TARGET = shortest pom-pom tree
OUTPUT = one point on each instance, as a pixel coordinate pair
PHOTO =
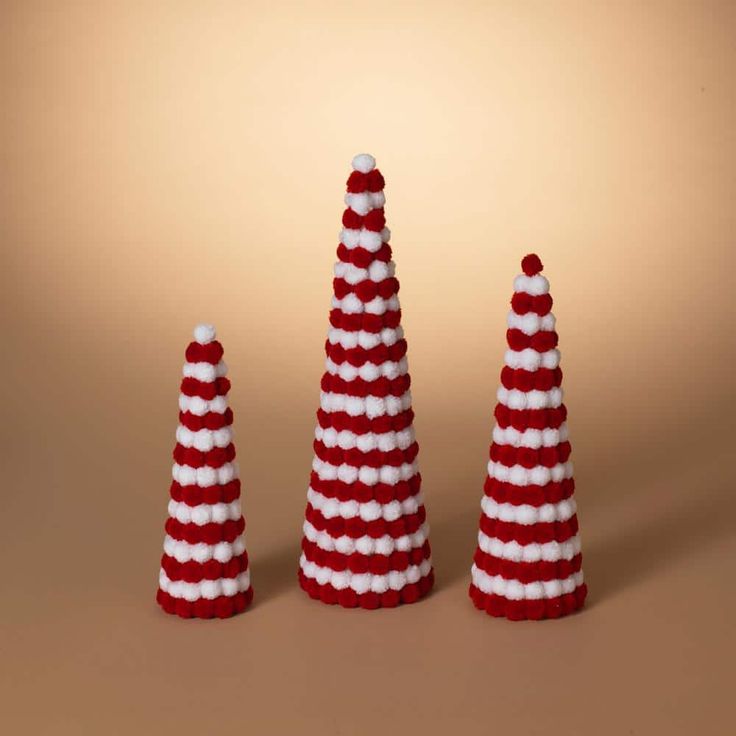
(204, 569)
(528, 563)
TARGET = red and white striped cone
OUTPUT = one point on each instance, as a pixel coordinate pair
(365, 535)
(204, 569)
(528, 562)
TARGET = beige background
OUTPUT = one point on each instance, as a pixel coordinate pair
(167, 163)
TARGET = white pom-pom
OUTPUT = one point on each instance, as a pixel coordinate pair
(204, 334)
(364, 163)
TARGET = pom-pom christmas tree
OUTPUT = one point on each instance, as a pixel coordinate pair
(204, 568)
(528, 562)
(365, 535)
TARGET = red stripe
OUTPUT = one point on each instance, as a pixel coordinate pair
(526, 609)
(508, 531)
(194, 458)
(205, 390)
(367, 322)
(553, 492)
(366, 290)
(543, 379)
(361, 257)
(522, 419)
(541, 341)
(522, 303)
(209, 353)
(222, 607)
(212, 533)
(195, 495)
(527, 572)
(348, 598)
(372, 459)
(362, 493)
(358, 182)
(210, 420)
(374, 220)
(195, 572)
(360, 356)
(356, 563)
(356, 527)
(528, 457)
(381, 387)
(362, 424)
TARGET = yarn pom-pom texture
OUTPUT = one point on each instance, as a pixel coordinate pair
(365, 538)
(528, 562)
(204, 568)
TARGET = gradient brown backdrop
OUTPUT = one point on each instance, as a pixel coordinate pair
(167, 163)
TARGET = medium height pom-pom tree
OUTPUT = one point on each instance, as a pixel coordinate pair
(528, 562)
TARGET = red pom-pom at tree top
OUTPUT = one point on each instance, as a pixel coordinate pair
(365, 534)
(204, 568)
(528, 562)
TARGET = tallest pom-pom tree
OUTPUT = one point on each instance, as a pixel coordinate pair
(365, 535)
(528, 563)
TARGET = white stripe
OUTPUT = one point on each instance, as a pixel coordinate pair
(208, 589)
(222, 551)
(368, 239)
(367, 340)
(378, 271)
(352, 304)
(204, 440)
(331, 508)
(199, 407)
(365, 582)
(205, 513)
(532, 360)
(533, 438)
(368, 371)
(362, 203)
(539, 475)
(204, 477)
(515, 590)
(533, 285)
(549, 551)
(390, 475)
(527, 514)
(204, 372)
(531, 323)
(347, 440)
(367, 545)
(515, 399)
(370, 406)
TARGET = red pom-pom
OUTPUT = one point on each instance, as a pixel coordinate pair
(375, 181)
(223, 607)
(357, 182)
(351, 219)
(531, 264)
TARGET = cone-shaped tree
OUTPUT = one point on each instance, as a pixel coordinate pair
(204, 569)
(528, 563)
(365, 535)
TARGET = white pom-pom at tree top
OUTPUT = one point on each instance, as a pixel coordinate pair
(528, 563)
(204, 569)
(365, 538)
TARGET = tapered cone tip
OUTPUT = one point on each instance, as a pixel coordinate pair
(204, 333)
(364, 163)
(531, 265)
